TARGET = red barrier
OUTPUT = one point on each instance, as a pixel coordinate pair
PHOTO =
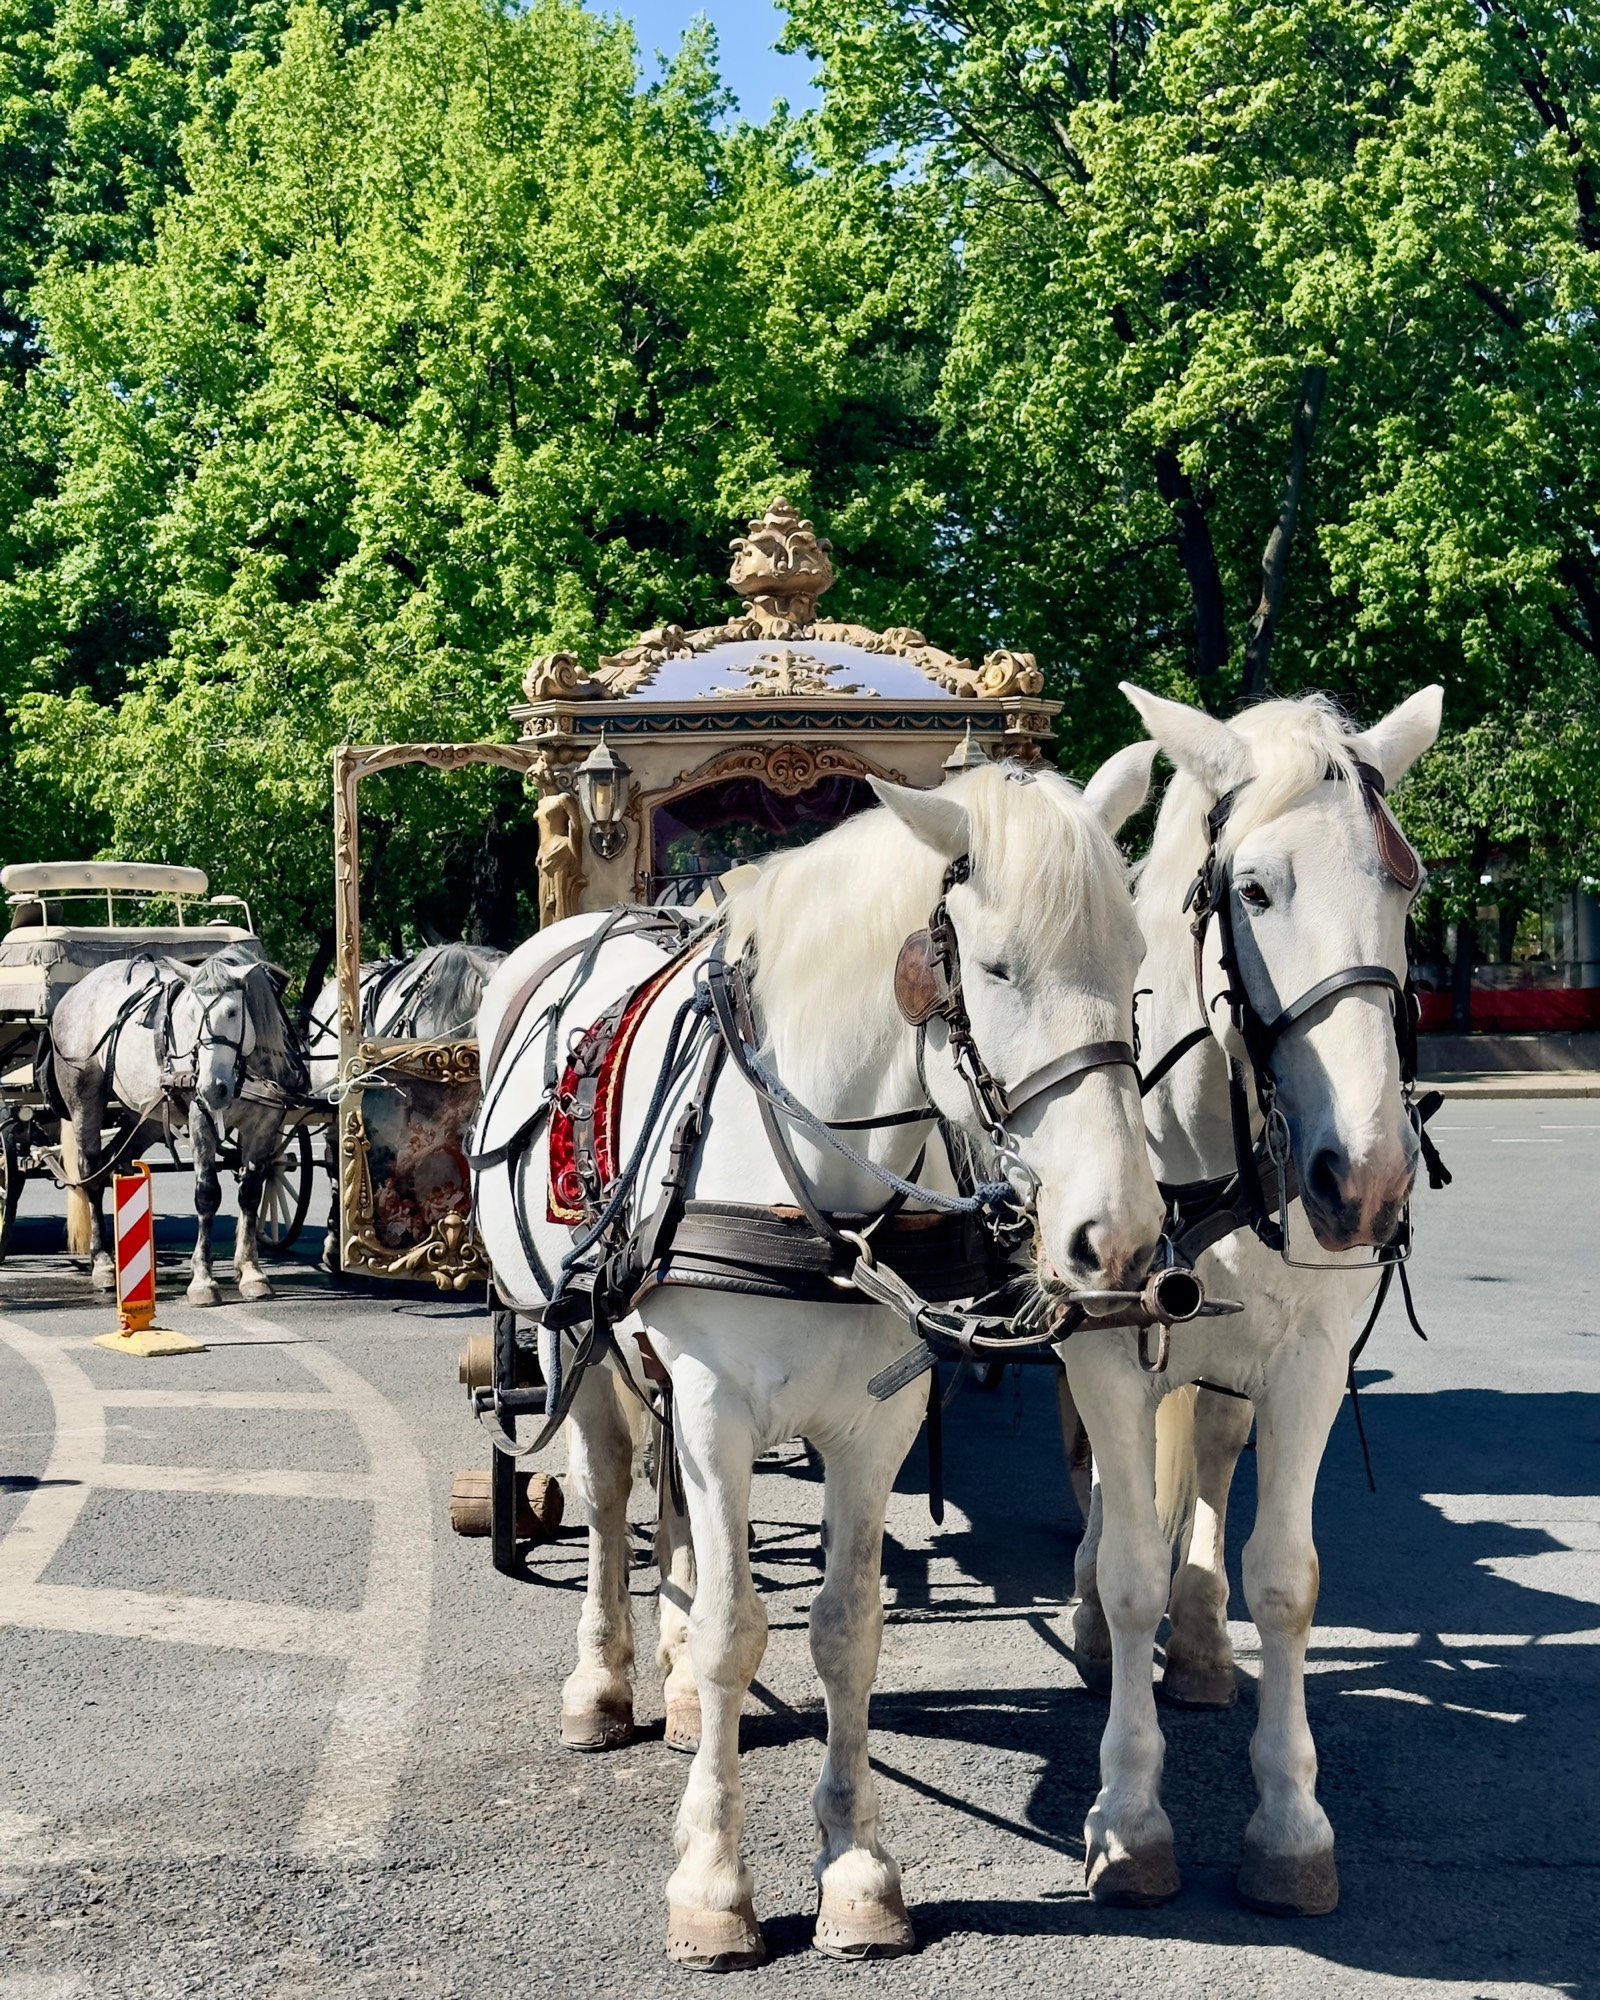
(1519, 1010)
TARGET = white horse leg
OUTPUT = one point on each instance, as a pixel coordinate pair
(597, 1700)
(711, 1919)
(1199, 1669)
(862, 1913)
(203, 1289)
(1128, 1834)
(1288, 1865)
(675, 1562)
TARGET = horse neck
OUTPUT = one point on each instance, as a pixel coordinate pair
(1187, 1114)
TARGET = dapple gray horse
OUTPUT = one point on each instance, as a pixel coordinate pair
(145, 1033)
(425, 998)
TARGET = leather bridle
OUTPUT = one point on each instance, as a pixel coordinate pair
(1210, 897)
(928, 986)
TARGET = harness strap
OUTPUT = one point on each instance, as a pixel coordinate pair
(1076, 1062)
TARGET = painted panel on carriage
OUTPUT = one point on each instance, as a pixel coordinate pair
(416, 1156)
(742, 669)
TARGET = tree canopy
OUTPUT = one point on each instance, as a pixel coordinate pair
(353, 353)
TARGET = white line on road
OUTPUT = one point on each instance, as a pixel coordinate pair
(383, 1644)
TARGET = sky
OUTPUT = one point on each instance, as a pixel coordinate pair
(746, 29)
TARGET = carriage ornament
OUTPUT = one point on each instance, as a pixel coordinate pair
(688, 753)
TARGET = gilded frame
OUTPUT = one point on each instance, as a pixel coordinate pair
(451, 1255)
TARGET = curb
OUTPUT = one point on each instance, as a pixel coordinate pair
(1515, 1083)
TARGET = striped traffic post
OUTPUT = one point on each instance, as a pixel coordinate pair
(133, 1226)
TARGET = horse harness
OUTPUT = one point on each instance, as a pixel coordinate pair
(918, 1262)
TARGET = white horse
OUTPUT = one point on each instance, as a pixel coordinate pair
(1049, 952)
(1311, 899)
(138, 1033)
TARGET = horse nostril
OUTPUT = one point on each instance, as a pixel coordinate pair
(1323, 1178)
(1081, 1250)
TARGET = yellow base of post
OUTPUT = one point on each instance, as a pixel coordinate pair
(150, 1341)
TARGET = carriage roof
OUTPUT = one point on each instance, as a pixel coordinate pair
(121, 878)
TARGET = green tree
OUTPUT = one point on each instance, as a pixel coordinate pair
(1277, 355)
(456, 346)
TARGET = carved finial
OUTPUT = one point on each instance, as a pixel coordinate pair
(780, 568)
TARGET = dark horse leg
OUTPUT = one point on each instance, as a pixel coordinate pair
(85, 1092)
(256, 1130)
(204, 1145)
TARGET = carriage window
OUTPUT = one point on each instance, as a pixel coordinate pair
(706, 832)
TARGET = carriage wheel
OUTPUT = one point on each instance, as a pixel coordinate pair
(286, 1192)
(11, 1178)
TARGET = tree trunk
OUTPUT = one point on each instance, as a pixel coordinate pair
(1467, 945)
(316, 977)
(1263, 627)
(1199, 559)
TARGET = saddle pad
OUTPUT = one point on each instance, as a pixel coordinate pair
(567, 1194)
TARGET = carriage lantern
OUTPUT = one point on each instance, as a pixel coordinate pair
(602, 778)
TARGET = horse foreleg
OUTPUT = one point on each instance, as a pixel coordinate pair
(1091, 1635)
(711, 1919)
(675, 1561)
(862, 1913)
(207, 1200)
(1288, 1865)
(1199, 1669)
(597, 1700)
(330, 1161)
(253, 1280)
(1128, 1834)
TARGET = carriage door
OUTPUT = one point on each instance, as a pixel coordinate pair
(403, 1105)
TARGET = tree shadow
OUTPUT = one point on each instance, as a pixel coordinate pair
(1452, 1693)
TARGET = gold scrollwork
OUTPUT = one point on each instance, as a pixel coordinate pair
(450, 1254)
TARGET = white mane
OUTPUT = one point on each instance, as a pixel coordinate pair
(827, 920)
(1292, 745)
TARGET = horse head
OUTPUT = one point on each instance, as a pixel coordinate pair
(1304, 888)
(1036, 927)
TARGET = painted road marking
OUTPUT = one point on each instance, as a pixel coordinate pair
(383, 1644)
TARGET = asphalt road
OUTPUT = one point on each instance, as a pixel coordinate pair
(267, 1728)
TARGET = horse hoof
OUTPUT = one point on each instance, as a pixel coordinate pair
(606, 1726)
(202, 1292)
(252, 1289)
(1187, 1684)
(683, 1726)
(1134, 1881)
(864, 1926)
(1289, 1885)
(1094, 1673)
(715, 1940)
(103, 1276)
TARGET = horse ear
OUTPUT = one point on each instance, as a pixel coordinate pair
(1396, 743)
(1196, 742)
(1121, 785)
(934, 817)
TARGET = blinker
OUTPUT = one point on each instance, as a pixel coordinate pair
(921, 981)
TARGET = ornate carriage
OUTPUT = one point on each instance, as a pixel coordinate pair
(686, 754)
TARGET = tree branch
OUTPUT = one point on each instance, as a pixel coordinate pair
(1579, 577)
(1506, 314)
(1199, 559)
(1263, 627)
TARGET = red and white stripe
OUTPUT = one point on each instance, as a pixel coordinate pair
(136, 1249)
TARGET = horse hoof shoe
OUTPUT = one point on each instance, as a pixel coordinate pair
(603, 1727)
(1095, 1674)
(1289, 1885)
(864, 1926)
(1188, 1686)
(683, 1727)
(1134, 1881)
(715, 1940)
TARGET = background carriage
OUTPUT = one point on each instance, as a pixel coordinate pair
(57, 936)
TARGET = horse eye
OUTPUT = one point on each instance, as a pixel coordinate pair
(1001, 972)
(1254, 896)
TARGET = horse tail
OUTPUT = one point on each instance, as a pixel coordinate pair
(1177, 1468)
